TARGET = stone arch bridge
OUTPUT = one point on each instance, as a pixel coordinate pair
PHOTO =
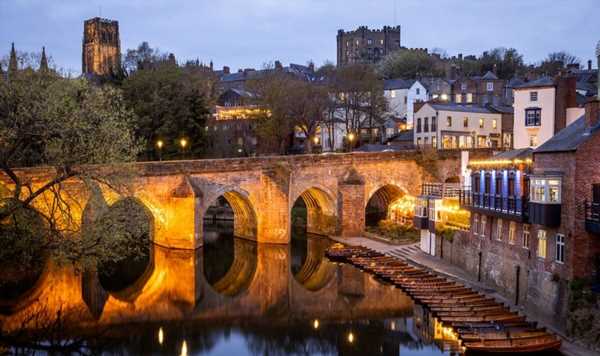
(335, 188)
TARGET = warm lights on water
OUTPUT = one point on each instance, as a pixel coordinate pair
(184, 350)
(161, 336)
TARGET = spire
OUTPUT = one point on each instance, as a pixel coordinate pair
(44, 61)
(12, 63)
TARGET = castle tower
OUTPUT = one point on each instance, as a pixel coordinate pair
(101, 53)
(365, 45)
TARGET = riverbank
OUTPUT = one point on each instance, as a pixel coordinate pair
(414, 255)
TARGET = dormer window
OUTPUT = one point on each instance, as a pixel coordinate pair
(545, 190)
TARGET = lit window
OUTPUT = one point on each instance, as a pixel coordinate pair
(483, 225)
(466, 122)
(469, 98)
(541, 251)
(499, 226)
(511, 232)
(392, 93)
(458, 98)
(533, 96)
(481, 123)
(357, 42)
(545, 190)
(526, 236)
(449, 121)
(490, 86)
(533, 117)
(494, 124)
(533, 141)
(560, 248)
(381, 42)
(434, 141)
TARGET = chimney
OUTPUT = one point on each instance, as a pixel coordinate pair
(566, 97)
(226, 70)
(590, 64)
(278, 65)
(592, 112)
(460, 56)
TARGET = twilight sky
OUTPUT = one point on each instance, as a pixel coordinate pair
(248, 33)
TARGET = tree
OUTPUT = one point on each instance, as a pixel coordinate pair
(360, 104)
(68, 126)
(506, 63)
(556, 61)
(171, 103)
(408, 64)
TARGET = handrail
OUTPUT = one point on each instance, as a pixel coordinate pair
(510, 204)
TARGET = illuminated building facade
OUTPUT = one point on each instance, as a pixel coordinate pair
(101, 53)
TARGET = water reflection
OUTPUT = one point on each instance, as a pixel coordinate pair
(232, 297)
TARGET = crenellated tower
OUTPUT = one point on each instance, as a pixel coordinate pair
(101, 54)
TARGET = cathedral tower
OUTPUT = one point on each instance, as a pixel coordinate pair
(101, 53)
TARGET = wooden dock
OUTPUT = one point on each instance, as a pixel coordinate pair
(480, 323)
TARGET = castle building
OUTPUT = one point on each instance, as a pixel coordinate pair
(101, 53)
(366, 46)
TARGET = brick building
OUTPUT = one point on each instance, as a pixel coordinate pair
(101, 52)
(535, 223)
(364, 45)
(480, 90)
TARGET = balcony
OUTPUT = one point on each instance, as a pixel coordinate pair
(440, 190)
(506, 207)
(592, 217)
(544, 214)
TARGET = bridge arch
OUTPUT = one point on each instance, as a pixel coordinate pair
(244, 215)
(134, 221)
(379, 200)
(321, 210)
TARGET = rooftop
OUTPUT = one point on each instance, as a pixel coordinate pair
(462, 108)
(569, 138)
(392, 84)
(544, 81)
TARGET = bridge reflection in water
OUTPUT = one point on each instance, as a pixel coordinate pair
(233, 296)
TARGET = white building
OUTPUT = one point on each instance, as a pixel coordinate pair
(333, 135)
(401, 96)
(542, 108)
(451, 126)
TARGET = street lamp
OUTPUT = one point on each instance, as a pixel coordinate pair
(351, 140)
(183, 143)
(159, 146)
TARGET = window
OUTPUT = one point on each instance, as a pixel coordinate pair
(560, 248)
(490, 86)
(533, 96)
(458, 98)
(369, 41)
(469, 98)
(541, 251)
(433, 124)
(418, 141)
(357, 42)
(466, 122)
(511, 232)
(405, 100)
(418, 91)
(533, 141)
(426, 125)
(418, 125)
(494, 124)
(449, 121)
(526, 236)
(545, 190)
(421, 208)
(483, 225)
(482, 141)
(434, 141)
(481, 123)
(475, 224)
(392, 93)
(381, 42)
(463, 86)
(499, 227)
(533, 117)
